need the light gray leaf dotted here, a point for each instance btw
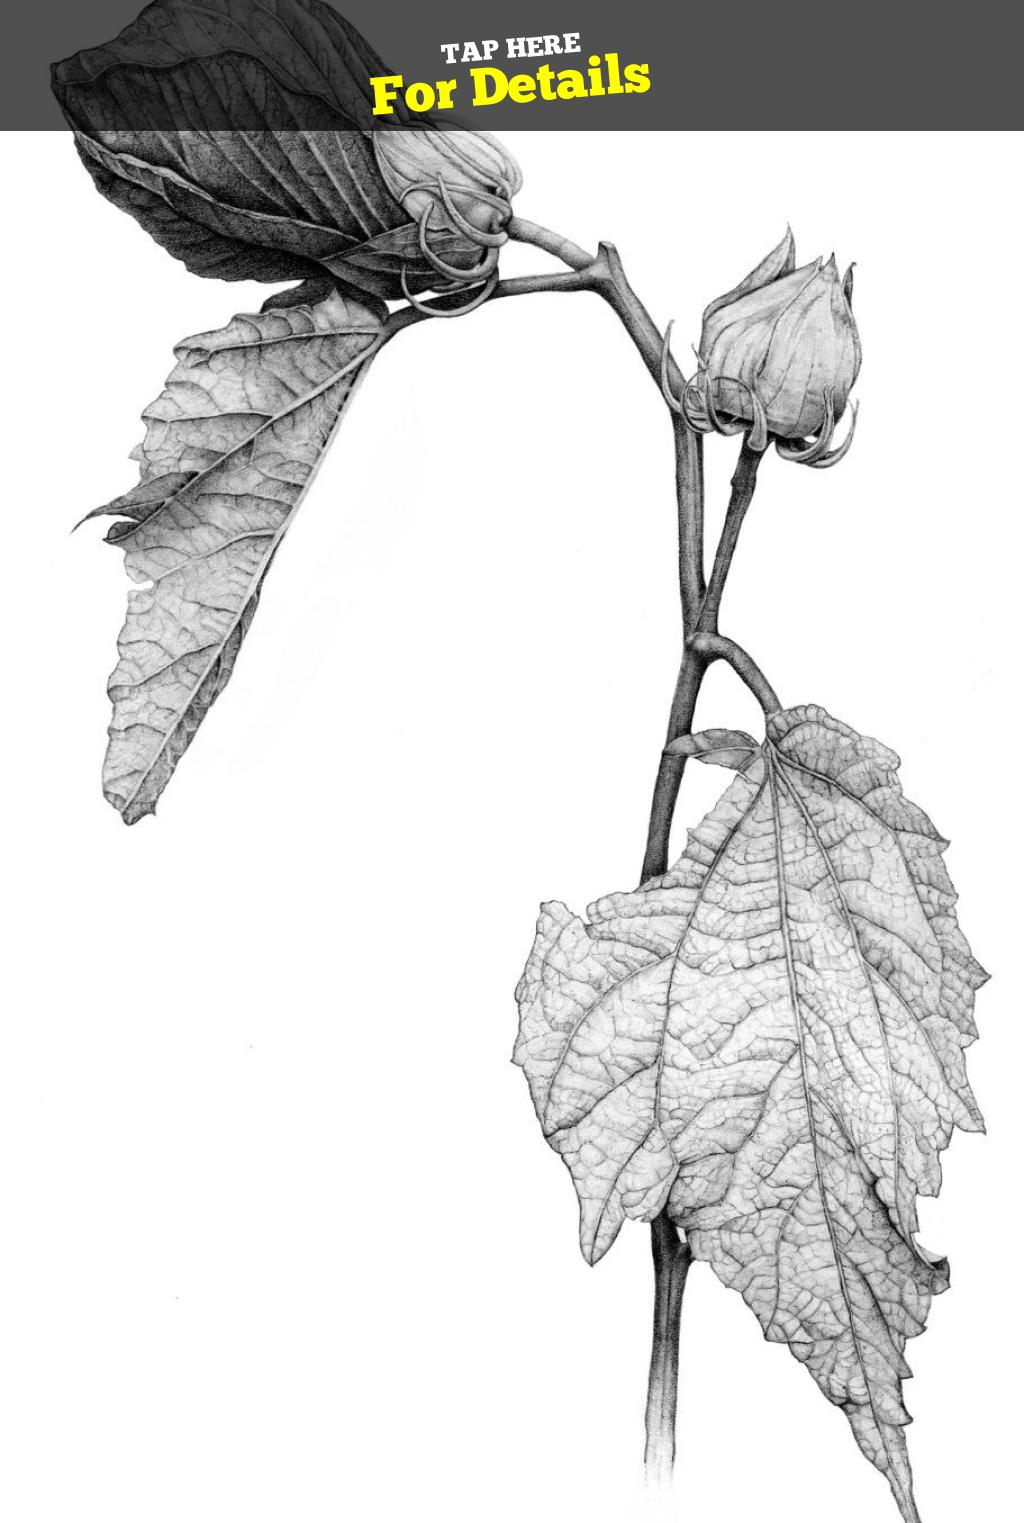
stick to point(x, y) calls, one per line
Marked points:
point(231, 446)
point(768, 1040)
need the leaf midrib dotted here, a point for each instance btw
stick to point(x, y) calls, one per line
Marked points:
point(866, 967)
point(771, 766)
point(270, 421)
point(261, 571)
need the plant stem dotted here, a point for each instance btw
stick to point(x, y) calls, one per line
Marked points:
point(522, 231)
point(718, 647)
point(702, 644)
point(671, 768)
point(743, 482)
point(672, 1260)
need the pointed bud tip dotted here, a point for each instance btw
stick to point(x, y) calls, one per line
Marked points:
point(780, 261)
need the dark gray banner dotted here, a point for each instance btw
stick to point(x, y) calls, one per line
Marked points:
point(562, 64)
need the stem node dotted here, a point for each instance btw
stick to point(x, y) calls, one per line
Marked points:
point(715, 647)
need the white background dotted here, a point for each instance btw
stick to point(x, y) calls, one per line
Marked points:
point(282, 1238)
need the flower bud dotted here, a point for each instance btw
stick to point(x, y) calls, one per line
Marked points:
point(428, 171)
point(779, 355)
point(457, 186)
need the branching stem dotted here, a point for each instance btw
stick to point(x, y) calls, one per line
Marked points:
point(701, 645)
point(718, 647)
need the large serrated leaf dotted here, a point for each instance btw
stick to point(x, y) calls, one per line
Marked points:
point(231, 446)
point(768, 1042)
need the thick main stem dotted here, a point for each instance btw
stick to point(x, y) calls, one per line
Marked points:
point(671, 768)
point(604, 275)
point(701, 645)
point(672, 1260)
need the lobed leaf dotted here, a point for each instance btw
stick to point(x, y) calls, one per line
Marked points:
point(768, 1042)
point(231, 446)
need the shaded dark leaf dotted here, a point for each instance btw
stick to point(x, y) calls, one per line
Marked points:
point(223, 65)
point(238, 136)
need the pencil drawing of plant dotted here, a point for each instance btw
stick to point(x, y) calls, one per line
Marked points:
point(760, 1050)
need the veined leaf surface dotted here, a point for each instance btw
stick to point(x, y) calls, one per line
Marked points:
point(312, 201)
point(231, 446)
point(768, 1042)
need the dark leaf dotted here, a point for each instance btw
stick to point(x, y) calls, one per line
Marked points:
point(238, 136)
point(223, 65)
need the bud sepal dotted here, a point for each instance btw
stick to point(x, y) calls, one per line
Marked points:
point(777, 359)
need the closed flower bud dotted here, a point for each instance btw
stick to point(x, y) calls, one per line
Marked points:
point(430, 171)
point(778, 357)
point(457, 187)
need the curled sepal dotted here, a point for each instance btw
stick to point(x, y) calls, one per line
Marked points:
point(834, 456)
point(755, 427)
point(817, 452)
point(727, 425)
point(696, 405)
point(485, 290)
point(671, 400)
point(694, 410)
point(475, 234)
point(806, 452)
point(720, 748)
point(689, 405)
point(757, 436)
point(451, 271)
